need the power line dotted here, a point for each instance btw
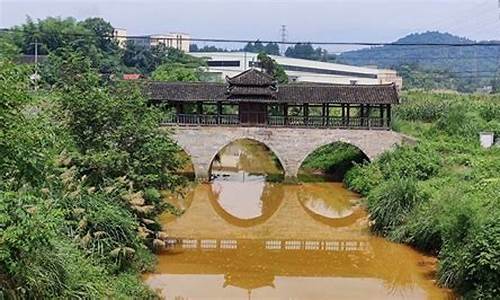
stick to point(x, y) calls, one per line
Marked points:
point(224, 40)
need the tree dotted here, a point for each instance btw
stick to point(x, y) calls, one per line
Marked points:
point(270, 67)
point(272, 49)
point(52, 33)
point(123, 138)
point(8, 49)
point(259, 47)
point(103, 32)
point(306, 51)
point(69, 227)
point(195, 48)
point(168, 72)
point(179, 66)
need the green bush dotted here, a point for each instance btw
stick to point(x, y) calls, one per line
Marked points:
point(333, 160)
point(420, 162)
point(363, 178)
point(490, 110)
point(129, 286)
point(390, 203)
point(460, 122)
point(423, 107)
point(470, 256)
point(442, 196)
point(35, 260)
point(421, 228)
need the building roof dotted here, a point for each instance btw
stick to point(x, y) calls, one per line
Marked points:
point(255, 86)
point(132, 76)
point(284, 60)
point(251, 77)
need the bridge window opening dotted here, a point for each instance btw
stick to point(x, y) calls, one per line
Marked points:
point(295, 110)
point(209, 109)
point(189, 108)
point(168, 110)
point(316, 110)
point(245, 160)
point(336, 111)
point(331, 162)
point(230, 109)
point(276, 110)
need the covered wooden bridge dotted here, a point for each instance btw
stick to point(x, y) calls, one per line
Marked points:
point(253, 98)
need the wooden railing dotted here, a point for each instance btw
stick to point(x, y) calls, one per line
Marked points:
point(278, 121)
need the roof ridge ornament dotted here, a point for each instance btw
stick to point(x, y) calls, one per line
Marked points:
point(251, 77)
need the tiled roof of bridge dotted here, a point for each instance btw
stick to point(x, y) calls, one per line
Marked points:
point(290, 93)
point(251, 77)
point(186, 91)
point(356, 94)
point(255, 86)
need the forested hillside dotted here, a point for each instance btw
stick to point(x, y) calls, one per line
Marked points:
point(465, 68)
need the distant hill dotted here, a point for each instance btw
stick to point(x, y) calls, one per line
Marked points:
point(469, 67)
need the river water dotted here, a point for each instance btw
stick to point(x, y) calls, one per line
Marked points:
point(242, 237)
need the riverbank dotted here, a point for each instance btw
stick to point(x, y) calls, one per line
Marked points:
point(441, 196)
point(81, 164)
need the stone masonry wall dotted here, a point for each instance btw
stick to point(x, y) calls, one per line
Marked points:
point(291, 145)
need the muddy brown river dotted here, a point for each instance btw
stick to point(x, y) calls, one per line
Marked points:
point(242, 237)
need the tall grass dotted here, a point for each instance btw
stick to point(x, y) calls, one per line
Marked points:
point(442, 196)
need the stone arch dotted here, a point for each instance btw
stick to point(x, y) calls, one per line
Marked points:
point(192, 158)
point(231, 140)
point(324, 142)
point(290, 145)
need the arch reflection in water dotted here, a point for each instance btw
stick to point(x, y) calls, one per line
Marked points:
point(289, 255)
point(246, 157)
point(330, 200)
point(241, 238)
point(245, 203)
point(240, 193)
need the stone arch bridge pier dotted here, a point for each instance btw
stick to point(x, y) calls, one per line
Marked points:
point(290, 145)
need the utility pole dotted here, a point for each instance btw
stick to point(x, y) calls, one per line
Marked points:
point(35, 77)
point(283, 33)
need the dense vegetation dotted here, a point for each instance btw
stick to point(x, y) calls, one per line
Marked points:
point(442, 195)
point(301, 50)
point(272, 68)
point(94, 37)
point(81, 166)
point(431, 67)
point(331, 162)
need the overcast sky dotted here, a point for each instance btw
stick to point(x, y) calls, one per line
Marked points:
point(334, 20)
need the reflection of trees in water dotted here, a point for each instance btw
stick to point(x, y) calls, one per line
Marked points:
point(401, 276)
point(269, 201)
point(253, 157)
point(326, 199)
point(252, 264)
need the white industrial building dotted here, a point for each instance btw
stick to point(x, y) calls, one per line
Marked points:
point(176, 40)
point(299, 70)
